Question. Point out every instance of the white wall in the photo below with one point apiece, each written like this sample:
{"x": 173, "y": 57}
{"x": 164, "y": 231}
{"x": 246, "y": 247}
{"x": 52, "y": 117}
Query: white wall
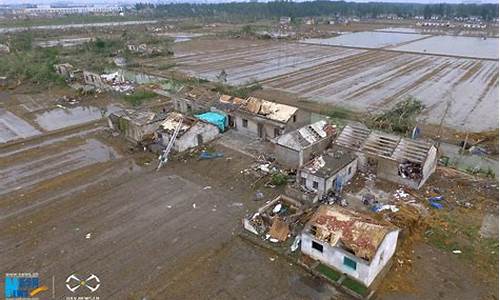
{"x": 334, "y": 257}
{"x": 190, "y": 138}
{"x": 325, "y": 185}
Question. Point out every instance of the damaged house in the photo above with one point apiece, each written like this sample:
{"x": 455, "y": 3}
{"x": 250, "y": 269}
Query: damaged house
{"x": 350, "y": 242}
{"x": 275, "y": 220}
{"x": 191, "y": 104}
{"x": 94, "y": 80}
{"x": 67, "y": 71}
{"x": 328, "y": 172}
{"x": 192, "y": 132}
{"x": 294, "y": 148}
{"x": 261, "y": 118}
{"x": 401, "y": 160}
{"x": 136, "y": 126}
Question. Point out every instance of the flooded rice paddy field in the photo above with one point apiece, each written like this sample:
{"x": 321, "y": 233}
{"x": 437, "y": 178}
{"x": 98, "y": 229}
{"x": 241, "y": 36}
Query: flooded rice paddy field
{"x": 24, "y": 115}
{"x": 368, "y": 39}
{"x": 359, "y": 79}
{"x": 454, "y": 45}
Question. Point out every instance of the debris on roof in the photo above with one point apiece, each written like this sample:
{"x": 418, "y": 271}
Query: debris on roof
{"x": 349, "y": 230}
{"x": 330, "y": 163}
{"x": 270, "y": 110}
{"x": 174, "y": 118}
{"x": 306, "y": 136}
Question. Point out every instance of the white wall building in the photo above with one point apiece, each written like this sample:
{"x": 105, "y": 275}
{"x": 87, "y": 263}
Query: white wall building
{"x": 349, "y": 242}
{"x": 330, "y": 171}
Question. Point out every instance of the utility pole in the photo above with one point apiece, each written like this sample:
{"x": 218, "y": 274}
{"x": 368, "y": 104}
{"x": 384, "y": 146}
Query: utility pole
{"x": 440, "y": 132}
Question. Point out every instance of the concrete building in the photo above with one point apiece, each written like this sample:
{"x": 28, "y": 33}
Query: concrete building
{"x": 297, "y": 147}
{"x": 193, "y": 132}
{"x": 192, "y": 105}
{"x": 352, "y": 243}
{"x": 94, "y": 80}
{"x": 330, "y": 171}
{"x": 135, "y": 126}
{"x": 261, "y": 118}
{"x": 65, "y": 70}
{"x": 401, "y": 160}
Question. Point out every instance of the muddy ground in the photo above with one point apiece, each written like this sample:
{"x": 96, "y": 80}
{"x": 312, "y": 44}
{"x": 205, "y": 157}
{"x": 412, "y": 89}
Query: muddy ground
{"x": 77, "y": 199}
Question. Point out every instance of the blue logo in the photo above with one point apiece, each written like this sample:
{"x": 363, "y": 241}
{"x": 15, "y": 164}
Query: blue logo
{"x": 22, "y": 285}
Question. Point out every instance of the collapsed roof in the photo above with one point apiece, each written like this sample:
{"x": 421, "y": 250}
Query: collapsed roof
{"x": 330, "y": 163}
{"x": 306, "y": 136}
{"x": 267, "y": 109}
{"x": 360, "y": 138}
{"x": 138, "y": 117}
{"x": 348, "y": 229}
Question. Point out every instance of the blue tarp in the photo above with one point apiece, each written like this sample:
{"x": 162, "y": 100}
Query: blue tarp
{"x": 217, "y": 119}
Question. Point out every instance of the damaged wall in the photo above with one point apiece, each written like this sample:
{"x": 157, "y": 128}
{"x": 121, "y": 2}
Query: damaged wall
{"x": 264, "y": 128}
{"x": 187, "y": 106}
{"x": 327, "y": 184}
{"x": 293, "y": 158}
{"x": 429, "y": 165}
{"x": 199, "y": 132}
{"x": 365, "y": 271}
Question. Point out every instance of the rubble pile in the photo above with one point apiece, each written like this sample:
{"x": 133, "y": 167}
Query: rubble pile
{"x": 275, "y": 221}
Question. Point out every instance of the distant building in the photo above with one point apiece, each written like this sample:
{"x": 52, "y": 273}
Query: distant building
{"x": 297, "y": 147}
{"x": 329, "y": 171}
{"x": 69, "y": 9}
{"x": 401, "y": 160}
{"x": 65, "y": 70}
{"x": 352, "y": 243}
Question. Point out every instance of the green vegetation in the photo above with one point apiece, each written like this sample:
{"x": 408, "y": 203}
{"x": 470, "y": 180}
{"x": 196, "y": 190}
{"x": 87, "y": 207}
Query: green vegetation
{"x": 139, "y": 96}
{"x": 355, "y": 286}
{"x": 278, "y": 179}
{"x": 242, "y": 91}
{"x": 402, "y": 118}
{"x": 26, "y": 64}
{"x": 453, "y": 232}
{"x": 328, "y": 272}
{"x": 70, "y": 19}
{"x": 275, "y": 9}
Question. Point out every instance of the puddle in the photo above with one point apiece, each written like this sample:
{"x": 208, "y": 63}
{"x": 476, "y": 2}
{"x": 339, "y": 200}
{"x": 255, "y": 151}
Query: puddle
{"x": 398, "y": 29}
{"x": 12, "y": 127}
{"x": 70, "y": 42}
{"x": 60, "y": 118}
{"x": 367, "y": 39}
{"x": 455, "y": 45}
{"x": 38, "y": 169}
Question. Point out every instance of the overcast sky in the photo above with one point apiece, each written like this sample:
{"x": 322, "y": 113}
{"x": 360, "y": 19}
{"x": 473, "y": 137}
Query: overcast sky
{"x": 215, "y": 1}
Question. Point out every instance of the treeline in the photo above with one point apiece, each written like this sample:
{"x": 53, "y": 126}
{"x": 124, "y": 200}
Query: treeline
{"x": 275, "y": 9}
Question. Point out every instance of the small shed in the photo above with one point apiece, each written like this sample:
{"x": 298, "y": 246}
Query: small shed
{"x": 135, "y": 126}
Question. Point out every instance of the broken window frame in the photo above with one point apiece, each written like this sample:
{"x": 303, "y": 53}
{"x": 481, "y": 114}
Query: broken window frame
{"x": 317, "y": 246}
